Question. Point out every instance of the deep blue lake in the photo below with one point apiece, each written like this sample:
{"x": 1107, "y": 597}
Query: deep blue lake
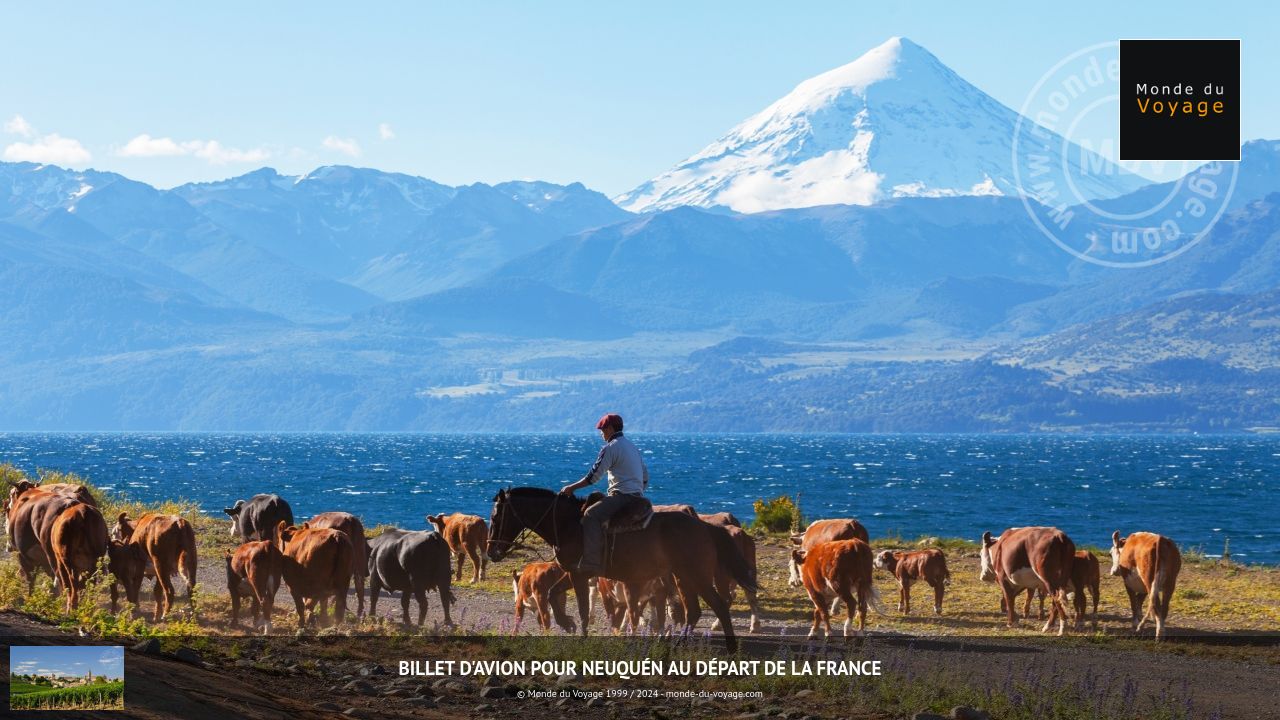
{"x": 1198, "y": 490}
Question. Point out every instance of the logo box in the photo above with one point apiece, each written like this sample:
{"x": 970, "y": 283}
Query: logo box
{"x": 1180, "y": 100}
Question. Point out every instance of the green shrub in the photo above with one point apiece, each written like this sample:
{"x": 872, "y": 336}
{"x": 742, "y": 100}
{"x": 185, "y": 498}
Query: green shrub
{"x": 779, "y": 515}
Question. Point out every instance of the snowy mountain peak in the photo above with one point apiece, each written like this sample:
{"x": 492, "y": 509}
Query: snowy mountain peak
{"x": 895, "y": 122}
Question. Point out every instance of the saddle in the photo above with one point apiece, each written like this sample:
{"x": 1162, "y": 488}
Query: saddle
{"x": 630, "y": 520}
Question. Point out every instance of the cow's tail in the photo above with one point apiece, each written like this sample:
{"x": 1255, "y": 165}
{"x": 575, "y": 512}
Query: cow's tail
{"x": 730, "y": 558}
{"x": 1154, "y": 599}
{"x": 873, "y": 599}
{"x": 187, "y": 555}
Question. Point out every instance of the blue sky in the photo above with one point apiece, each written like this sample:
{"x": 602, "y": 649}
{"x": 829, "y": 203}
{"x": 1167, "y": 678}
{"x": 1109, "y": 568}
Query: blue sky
{"x": 67, "y": 661}
{"x": 608, "y": 94}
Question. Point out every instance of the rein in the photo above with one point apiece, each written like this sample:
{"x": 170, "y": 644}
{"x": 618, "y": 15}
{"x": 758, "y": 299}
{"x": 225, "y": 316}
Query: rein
{"x": 527, "y": 528}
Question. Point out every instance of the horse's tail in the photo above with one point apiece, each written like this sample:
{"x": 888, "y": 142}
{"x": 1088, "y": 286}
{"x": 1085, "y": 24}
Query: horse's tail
{"x": 730, "y": 557}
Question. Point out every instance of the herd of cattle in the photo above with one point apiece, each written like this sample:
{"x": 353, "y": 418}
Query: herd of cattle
{"x": 59, "y": 529}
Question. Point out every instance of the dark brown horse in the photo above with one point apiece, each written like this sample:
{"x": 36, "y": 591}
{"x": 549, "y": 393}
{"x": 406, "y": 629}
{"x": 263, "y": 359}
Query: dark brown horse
{"x": 673, "y": 542}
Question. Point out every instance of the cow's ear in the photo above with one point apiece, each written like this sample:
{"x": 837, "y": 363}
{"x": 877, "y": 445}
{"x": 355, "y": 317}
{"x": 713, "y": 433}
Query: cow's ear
{"x": 124, "y": 517}
{"x": 986, "y": 538}
{"x": 1115, "y": 539}
{"x": 306, "y": 525}
{"x": 232, "y": 511}
{"x": 797, "y": 539}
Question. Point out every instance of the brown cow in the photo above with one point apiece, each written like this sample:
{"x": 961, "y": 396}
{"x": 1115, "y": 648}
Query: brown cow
{"x": 254, "y": 571}
{"x": 820, "y": 531}
{"x": 169, "y": 544}
{"x": 1030, "y": 557}
{"x": 1084, "y": 577}
{"x": 724, "y": 582}
{"x": 910, "y": 567}
{"x": 351, "y": 525}
{"x": 29, "y": 523}
{"x": 542, "y": 587}
{"x": 77, "y": 540}
{"x": 466, "y": 535}
{"x": 1149, "y": 564}
{"x": 722, "y": 519}
{"x": 71, "y": 490}
{"x": 316, "y": 565}
{"x": 837, "y": 570}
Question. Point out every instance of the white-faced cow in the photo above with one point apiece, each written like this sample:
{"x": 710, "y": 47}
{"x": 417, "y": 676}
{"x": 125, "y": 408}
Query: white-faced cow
{"x": 1030, "y": 557}
{"x": 466, "y": 535}
{"x": 1149, "y": 564}
{"x": 258, "y": 517}
{"x": 839, "y": 570}
{"x": 911, "y": 567}
{"x": 820, "y": 531}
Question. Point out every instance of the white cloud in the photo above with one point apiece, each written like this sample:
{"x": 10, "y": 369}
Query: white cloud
{"x": 346, "y": 146}
{"x": 51, "y": 148}
{"x": 19, "y": 126}
{"x": 212, "y": 151}
{"x": 385, "y": 132}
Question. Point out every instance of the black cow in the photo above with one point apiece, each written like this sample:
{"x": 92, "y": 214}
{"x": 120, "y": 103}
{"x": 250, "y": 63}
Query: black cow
{"x": 411, "y": 563}
{"x": 257, "y": 518}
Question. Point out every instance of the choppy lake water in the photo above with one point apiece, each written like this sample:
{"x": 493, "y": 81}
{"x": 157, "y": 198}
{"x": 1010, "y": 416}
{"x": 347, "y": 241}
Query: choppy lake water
{"x": 1198, "y": 490}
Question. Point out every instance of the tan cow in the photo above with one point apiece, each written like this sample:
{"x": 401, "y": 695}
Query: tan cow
{"x": 169, "y": 544}
{"x": 77, "y": 541}
{"x": 837, "y": 570}
{"x": 1149, "y": 565}
{"x": 911, "y": 567}
{"x": 316, "y": 566}
{"x": 820, "y": 531}
{"x": 542, "y": 587}
{"x": 351, "y": 525}
{"x": 254, "y": 570}
{"x": 1030, "y": 557}
{"x": 466, "y": 536}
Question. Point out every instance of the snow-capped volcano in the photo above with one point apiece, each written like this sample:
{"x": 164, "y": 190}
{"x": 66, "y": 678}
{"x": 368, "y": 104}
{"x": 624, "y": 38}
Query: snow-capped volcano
{"x": 895, "y": 122}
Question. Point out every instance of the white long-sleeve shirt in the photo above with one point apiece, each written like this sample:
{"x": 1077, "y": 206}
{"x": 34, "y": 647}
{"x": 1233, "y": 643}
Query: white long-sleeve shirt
{"x": 621, "y": 459}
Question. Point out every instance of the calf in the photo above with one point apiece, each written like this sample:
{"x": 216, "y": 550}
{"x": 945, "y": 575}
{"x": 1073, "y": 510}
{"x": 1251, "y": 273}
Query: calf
{"x": 820, "y": 531}
{"x": 316, "y": 565}
{"x": 466, "y": 535}
{"x": 254, "y": 571}
{"x": 542, "y": 587}
{"x": 1149, "y": 564}
{"x": 624, "y": 603}
{"x": 837, "y": 570}
{"x": 169, "y": 544}
{"x": 351, "y": 525}
{"x": 77, "y": 540}
{"x": 257, "y": 518}
{"x": 410, "y": 563}
{"x": 1030, "y": 557}
{"x": 127, "y": 564}
{"x": 911, "y": 567}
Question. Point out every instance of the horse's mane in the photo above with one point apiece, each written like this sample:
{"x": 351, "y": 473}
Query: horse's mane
{"x": 531, "y": 492}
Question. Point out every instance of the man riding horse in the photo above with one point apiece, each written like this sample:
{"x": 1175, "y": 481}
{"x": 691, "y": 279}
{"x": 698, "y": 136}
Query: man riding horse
{"x": 628, "y": 479}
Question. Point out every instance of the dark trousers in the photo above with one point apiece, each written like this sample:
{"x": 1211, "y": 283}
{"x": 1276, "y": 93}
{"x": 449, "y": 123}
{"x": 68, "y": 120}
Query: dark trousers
{"x": 593, "y": 524}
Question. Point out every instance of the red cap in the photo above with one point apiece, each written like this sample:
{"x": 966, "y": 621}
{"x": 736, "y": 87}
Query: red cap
{"x": 612, "y": 420}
